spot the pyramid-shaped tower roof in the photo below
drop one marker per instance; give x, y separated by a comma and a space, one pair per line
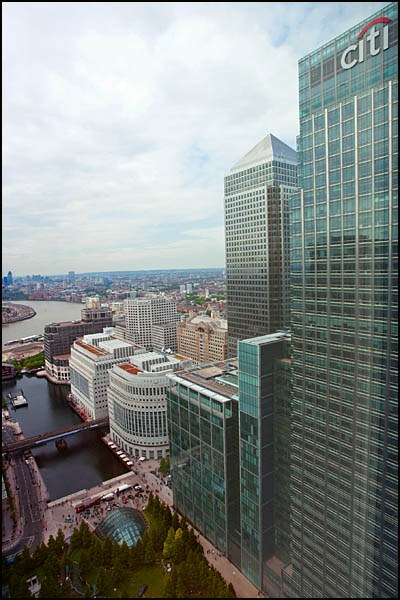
270, 148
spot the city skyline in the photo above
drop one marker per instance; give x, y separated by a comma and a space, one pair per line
139, 110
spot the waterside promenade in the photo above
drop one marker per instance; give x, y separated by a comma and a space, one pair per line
54, 515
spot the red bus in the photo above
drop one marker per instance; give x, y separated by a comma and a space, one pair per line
86, 503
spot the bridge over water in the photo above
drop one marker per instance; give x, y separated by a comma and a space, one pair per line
44, 438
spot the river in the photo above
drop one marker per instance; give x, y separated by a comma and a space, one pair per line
46, 312
85, 462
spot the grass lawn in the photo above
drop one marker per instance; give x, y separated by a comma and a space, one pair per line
153, 575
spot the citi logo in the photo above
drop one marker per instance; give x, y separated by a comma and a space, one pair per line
370, 39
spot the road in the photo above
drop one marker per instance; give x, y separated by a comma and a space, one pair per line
29, 517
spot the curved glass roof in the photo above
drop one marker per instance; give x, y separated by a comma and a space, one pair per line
123, 525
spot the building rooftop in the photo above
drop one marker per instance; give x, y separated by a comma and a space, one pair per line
90, 348
269, 338
219, 377
270, 148
113, 344
212, 323
129, 369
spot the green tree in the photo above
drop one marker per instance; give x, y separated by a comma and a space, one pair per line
107, 559
124, 555
49, 588
51, 566
166, 515
150, 503
18, 587
85, 564
162, 467
180, 587
178, 552
156, 506
60, 543
103, 583
76, 540
231, 591
149, 554
175, 521
118, 574
170, 588
169, 544
26, 561
40, 555
86, 536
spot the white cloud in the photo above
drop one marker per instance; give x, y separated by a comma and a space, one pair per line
121, 119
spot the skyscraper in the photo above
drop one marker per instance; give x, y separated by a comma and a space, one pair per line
343, 261
257, 190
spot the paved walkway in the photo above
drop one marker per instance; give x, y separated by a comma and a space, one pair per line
11, 532
57, 513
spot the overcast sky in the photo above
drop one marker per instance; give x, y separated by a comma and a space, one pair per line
120, 121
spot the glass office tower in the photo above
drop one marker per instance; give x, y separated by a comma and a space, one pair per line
343, 259
264, 430
257, 191
202, 409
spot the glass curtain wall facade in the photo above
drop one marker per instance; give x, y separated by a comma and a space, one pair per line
203, 436
344, 259
264, 425
257, 191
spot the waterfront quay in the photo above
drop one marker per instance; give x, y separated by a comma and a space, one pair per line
38, 518
145, 474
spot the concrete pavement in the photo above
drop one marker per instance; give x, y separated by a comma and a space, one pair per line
54, 514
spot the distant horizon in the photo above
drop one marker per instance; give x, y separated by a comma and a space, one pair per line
118, 272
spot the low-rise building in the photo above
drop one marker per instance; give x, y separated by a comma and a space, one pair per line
58, 338
91, 359
203, 338
137, 403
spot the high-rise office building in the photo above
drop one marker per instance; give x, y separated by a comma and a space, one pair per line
343, 261
257, 190
9, 278
141, 314
229, 428
264, 432
202, 413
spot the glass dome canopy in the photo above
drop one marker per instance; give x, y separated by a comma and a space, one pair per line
122, 525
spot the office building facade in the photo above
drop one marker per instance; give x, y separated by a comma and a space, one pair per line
58, 338
343, 260
202, 413
264, 431
136, 396
257, 191
91, 359
229, 428
141, 314
203, 338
